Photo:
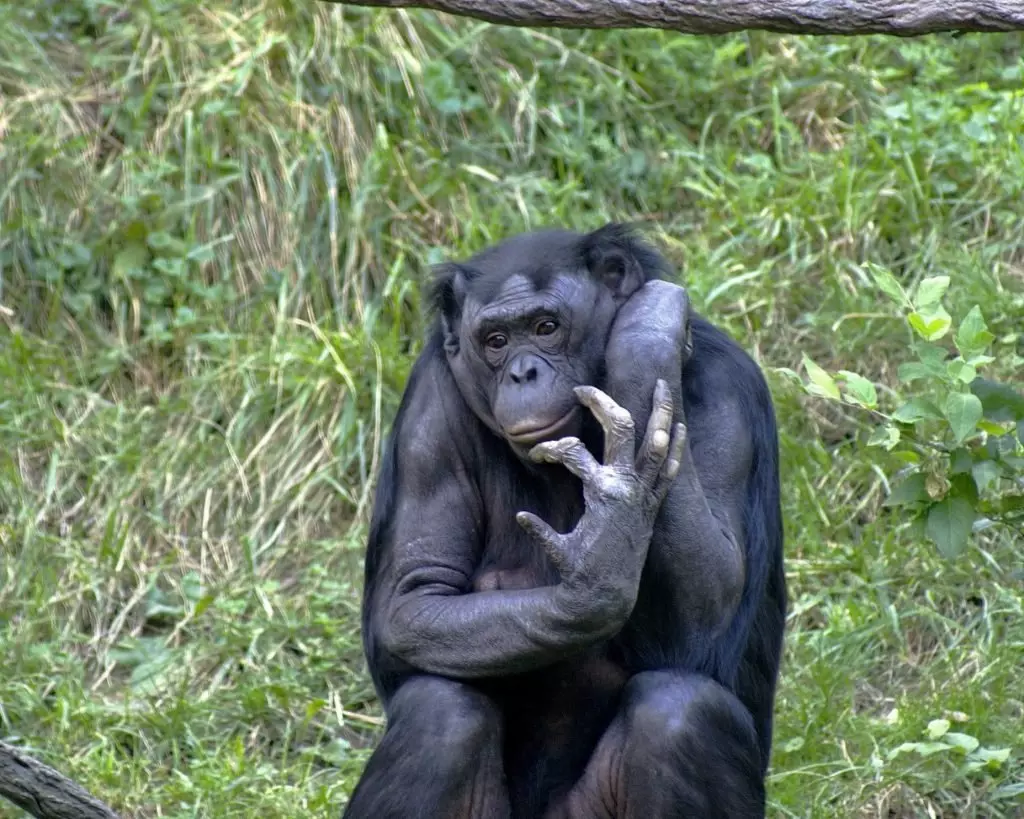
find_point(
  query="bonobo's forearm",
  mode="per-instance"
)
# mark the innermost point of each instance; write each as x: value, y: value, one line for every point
x: 697, y: 554
x: 693, y: 552
x: 491, y: 633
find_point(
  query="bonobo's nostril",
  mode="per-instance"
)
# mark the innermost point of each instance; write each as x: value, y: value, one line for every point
x: 524, y: 370
x: 529, y: 374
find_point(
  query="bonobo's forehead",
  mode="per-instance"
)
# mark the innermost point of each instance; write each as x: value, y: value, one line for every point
x: 538, y: 257
x: 521, y: 298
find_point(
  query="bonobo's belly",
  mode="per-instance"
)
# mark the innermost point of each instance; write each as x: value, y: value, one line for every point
x: 554, y: 716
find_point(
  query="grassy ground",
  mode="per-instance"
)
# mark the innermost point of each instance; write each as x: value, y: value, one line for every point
x: 214, y: 224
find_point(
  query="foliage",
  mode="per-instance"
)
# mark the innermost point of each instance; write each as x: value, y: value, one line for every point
x: 215, y: 222
x: 960, y: 437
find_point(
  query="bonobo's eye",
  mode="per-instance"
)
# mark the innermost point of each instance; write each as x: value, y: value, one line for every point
x: 546, y: 327
x: 495, y: 341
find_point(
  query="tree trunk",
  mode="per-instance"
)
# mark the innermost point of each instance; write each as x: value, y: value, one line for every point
x: 44, y: 793
x: 899, y: 17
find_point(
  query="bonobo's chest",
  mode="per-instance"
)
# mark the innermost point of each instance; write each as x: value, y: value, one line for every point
x: 549, y: 710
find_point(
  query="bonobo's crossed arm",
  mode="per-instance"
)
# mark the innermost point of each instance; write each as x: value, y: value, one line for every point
x: 425, y: 615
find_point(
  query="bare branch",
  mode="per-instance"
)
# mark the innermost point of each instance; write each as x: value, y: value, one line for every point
x: 43, y: 792
x: 898, y: 17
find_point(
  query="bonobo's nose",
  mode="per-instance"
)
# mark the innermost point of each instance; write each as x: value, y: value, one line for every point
x: 524, y: 369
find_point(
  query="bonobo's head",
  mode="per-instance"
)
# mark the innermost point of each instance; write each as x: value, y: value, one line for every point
x: 526, y: 321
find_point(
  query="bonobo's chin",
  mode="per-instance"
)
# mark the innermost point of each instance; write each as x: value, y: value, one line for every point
x: 522, y: 439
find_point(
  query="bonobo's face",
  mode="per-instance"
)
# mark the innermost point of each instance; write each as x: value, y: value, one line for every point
x: 527, y: 322
x: 527, y: 348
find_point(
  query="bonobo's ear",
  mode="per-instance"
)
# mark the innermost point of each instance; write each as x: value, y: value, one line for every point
x: 449, y: 294
x: 616, y: 258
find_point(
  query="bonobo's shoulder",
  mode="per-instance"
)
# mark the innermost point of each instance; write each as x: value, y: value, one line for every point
x: 432, y: 417
x: 721, y: 376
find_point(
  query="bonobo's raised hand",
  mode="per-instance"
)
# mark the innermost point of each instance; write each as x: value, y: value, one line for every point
x: 601, y: 560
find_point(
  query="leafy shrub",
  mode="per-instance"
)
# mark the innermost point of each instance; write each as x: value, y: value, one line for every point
x: 957, y: 437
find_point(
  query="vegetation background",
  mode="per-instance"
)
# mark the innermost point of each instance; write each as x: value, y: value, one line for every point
x: 215, y: 225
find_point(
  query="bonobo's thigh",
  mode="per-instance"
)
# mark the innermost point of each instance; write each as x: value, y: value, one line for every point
x: 680, y: 746
x: 440, y: 757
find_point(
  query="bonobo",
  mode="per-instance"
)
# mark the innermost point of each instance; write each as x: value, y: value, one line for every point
x: 574, y: 597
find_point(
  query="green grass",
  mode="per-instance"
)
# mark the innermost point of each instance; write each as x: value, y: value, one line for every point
x: 215, y: 221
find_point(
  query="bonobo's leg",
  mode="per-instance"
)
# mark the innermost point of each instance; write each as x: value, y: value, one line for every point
x: 441, y: 756
x: 681, y: 746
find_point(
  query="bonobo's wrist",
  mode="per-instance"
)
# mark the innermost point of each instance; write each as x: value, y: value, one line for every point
x: 597, y: 611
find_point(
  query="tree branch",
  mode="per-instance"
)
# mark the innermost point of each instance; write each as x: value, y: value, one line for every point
x: 43, y: 792
x: 898, y: 17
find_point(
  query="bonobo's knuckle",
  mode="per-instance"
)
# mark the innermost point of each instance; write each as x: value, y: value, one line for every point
x: 616, y: 485
x: 659, y: 442
x: 621, y: 418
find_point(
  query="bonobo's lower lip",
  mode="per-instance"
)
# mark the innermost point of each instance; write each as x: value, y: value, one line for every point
x: 534, y: 436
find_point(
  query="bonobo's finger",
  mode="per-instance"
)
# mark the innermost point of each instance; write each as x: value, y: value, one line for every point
x: 656, y: 441
x: 673, y: 461
x: 554, y: 544
x: 619, y: 441
x: 569, y: 452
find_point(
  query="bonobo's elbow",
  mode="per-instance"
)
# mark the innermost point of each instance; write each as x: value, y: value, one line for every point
x: 398, y: 635
x: 727, y: 592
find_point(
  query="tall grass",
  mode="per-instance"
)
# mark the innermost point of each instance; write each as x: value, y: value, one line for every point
x: 215, y: 223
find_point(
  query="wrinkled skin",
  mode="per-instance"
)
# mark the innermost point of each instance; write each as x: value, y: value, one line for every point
x: 574, y: 593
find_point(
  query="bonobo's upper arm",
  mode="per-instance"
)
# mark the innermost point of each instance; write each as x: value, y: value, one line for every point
x: 434, y: 533
x: 722, y: 447
x: 701, y: 542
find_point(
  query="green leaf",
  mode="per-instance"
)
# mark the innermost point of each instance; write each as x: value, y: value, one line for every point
x: 965, y: 742
x: 908, y: 491
x: 912, y: 370
x: 821, y: 382
x: 930, y: 292
x: 985, y: 473
x: 960, y: 461
x: 963, y: 411
x: 960, y: 370
x: 963, y: 486
x: 932, y: 362
x: 859, y: 390
x: 790, y: 374
x: 949, y: 525
x: 937, y: 728
x: 922, y: 748
x: 888, y: 284
x: 993, y: 428
x: 931, y: 326
x: 973, y: 336
x: 886, y: 437
x: 917, y: 409
x: 132, y: 258
x: 989, y: 756
x: 1000, y: 401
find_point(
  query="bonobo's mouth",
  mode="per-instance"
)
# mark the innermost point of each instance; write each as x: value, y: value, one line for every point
x: 526, y: 437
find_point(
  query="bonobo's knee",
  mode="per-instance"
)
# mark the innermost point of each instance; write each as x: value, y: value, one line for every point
x: 449, y: 716
x: 684, y: 712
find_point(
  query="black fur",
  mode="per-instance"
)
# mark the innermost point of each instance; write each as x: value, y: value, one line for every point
x: 547, y: 721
